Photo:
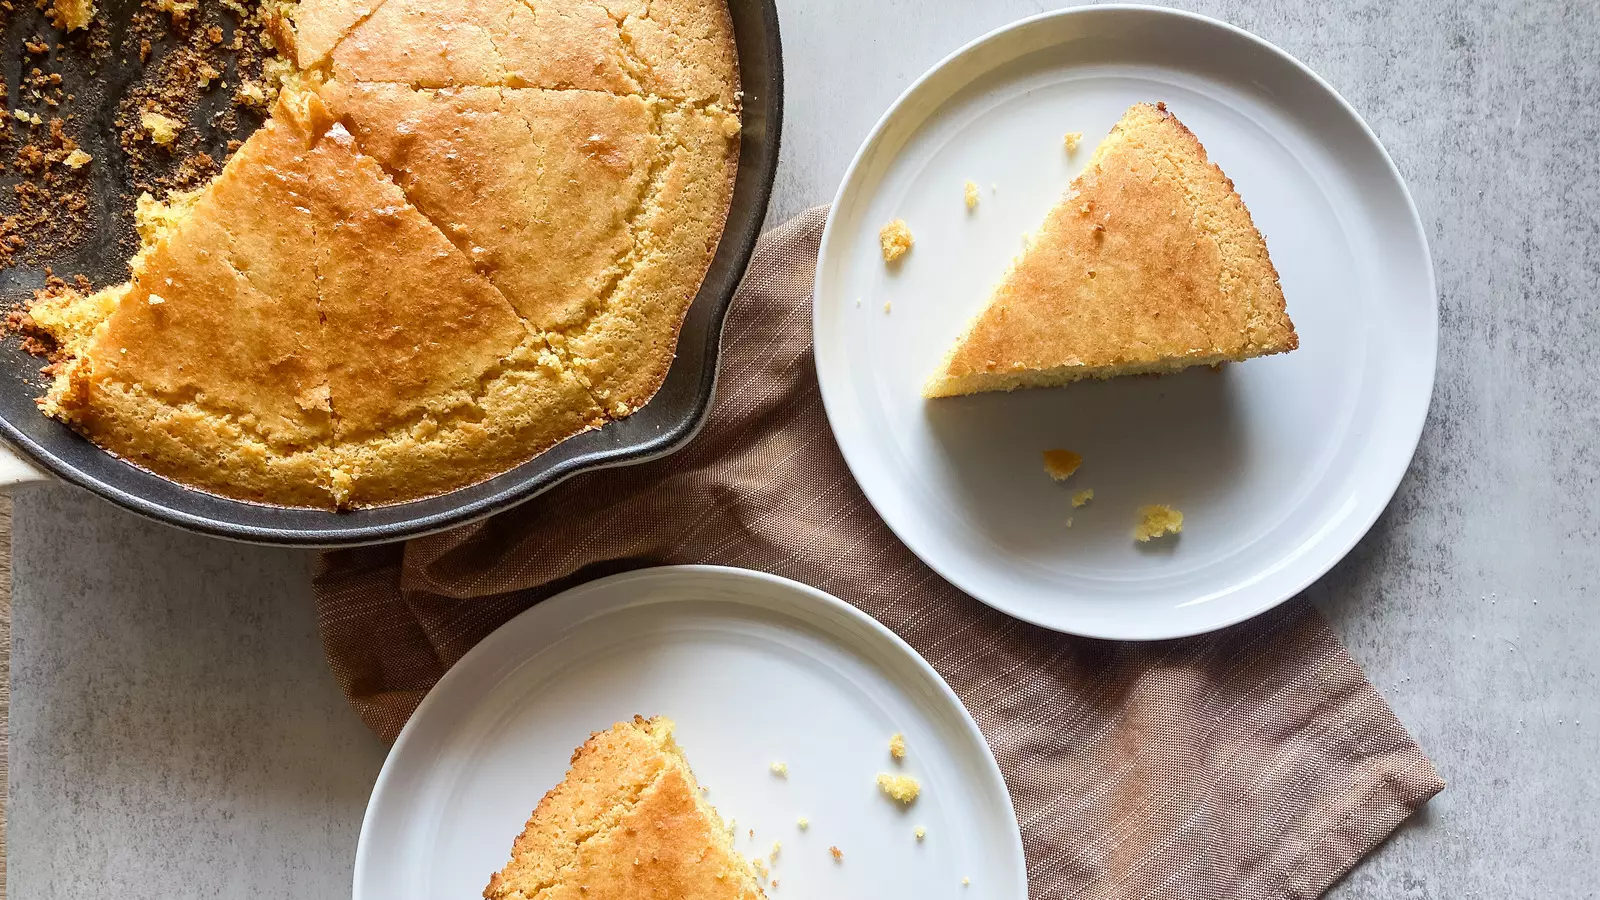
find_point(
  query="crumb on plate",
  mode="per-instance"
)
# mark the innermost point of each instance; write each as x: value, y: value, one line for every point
x: 972, y: 195
x: 838, y: 855
x: 1071, y: 140
x: 1060, y: 464
x: 803, y: 822
x: 895, y: 238
x: 1155, y: 521
x: 901, y: 788
x: 1082, y: 497
x: 897, y: 746
x: 780, y: 769
x: 920, y: 832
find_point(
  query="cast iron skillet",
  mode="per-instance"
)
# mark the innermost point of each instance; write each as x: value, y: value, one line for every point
x: 665, y: 424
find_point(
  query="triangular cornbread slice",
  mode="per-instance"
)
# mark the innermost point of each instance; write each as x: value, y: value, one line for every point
x: 209, y: 367
x: 1149, y: 264
x: 437, y: 382
x: 627, y: 822
x: 537, y: 186
x: 596, y: 215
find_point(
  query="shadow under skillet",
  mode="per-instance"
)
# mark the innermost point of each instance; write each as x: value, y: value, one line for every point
x: 1155, y: 434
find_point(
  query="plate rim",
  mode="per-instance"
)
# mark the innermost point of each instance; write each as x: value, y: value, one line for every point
x: 558, y: 605
x: 1411, y: 439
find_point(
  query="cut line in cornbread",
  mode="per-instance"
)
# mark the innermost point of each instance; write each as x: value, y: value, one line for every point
x: 1150, y: 263
x: 628, y: 821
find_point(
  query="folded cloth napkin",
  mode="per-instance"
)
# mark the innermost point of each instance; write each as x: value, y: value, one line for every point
x: 1256, y: 762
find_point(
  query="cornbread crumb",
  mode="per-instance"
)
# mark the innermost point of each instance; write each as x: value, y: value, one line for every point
x: 1071, y: 140
x: 838, y: 855
x: 1069, y: 521
x: 897, y: 746
x: 885, y: 307
x: 920, y: 832
x: 163, y: 129
x: 780, y: 769
x: 965, y: 881
x: 803, y: 822
x: 777, y: 847
x: 1082, y: 497
x: 77, y: 159
x: 1155, y: 521
x: 895, y: 238
x: 70, y: 15
x: 1060, y: 464
x: 972, y: 195
x: 901, y: 788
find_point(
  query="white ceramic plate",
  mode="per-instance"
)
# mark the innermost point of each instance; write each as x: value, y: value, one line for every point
x: 754, y: 669
x: 1280, y: 465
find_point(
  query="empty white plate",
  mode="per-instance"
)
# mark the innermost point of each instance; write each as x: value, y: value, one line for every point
x: 1279, y: 465
x: 755, y: 669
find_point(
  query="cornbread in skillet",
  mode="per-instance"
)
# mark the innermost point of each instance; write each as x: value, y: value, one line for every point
x: 209, y: 367
x: 1150, y: 263
x: 628, y: 821
x: 678, y: 50
x: 470, y: 230
x: 540, y: 187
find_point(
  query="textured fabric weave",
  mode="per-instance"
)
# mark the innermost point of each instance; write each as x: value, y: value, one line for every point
x: 1257, y: 762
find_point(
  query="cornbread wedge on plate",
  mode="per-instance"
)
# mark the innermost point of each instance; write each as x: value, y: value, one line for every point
x: 628, y: 821
x: 1149, y: 264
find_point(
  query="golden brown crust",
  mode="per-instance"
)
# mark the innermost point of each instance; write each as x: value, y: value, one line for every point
x: 624, y: 352
x: 679, y: 50
x: 318, y: 25
x: 539, y: 186
x: 627, y: 822
x: 209, y: 366
x: 1149, y: 263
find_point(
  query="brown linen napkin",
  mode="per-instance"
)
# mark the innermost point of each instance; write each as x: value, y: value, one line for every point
x: 1252, y: 763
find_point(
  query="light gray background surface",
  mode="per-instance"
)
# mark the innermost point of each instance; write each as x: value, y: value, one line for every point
x: 175, y: 732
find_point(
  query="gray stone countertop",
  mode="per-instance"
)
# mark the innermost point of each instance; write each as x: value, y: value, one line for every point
x: 175, y: 733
